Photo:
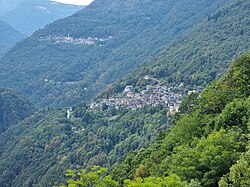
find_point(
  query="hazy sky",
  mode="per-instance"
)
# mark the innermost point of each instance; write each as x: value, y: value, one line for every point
x: 76, y: 2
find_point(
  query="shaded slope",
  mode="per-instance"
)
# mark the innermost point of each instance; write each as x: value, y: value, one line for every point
x: 13, y: 108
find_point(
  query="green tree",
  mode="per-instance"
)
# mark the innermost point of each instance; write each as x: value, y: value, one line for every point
x: 239, y: 173
x: 170, y: 181
x: 97, y: 177
x: 208, y: 158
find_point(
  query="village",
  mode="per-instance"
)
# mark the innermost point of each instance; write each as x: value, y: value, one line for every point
x: 152, y: 95
x: 60, y: 82
x: 75, y: 41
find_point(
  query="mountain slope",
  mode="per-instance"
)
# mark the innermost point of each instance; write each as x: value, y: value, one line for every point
x: 13, y: 108
x: 73, y: 58
x: 204, y: 54
x: 8, y: 38
x: 7, y: 5
x: 28, y: 16
x: 205, y: 141
x: 39, y: 150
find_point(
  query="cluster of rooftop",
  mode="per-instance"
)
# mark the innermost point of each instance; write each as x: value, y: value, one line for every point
x: 153, y: 95
x: 76, y: 41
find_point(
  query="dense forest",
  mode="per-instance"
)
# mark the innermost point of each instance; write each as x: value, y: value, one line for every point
x: 13, y: 108
x: 129, y: 94
x: 208, y: 144
x: 116, y: 37
x: 206, y: 138
x: 200, y: 56
x: 48, y: 143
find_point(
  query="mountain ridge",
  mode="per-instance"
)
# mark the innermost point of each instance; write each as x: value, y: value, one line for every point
x: 9, y: 37
x: 13, y: 108
x: 28, y: 16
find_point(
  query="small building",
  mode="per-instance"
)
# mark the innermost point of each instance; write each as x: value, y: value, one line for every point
x: 191, y: 92
x: 147, y: 77
x: 128, y: 88
x: 130, y: 94
x: 69, y: 112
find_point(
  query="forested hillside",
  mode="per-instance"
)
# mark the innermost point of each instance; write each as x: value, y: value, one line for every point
x: 38, y: 151
x: 207, y: 138
x: 28, y: 16
x: 8, y: 37
x: 73, y: 58
x: 13, y: 108
x: 208, y: 144
x: 202, y: 55
x: 139, y: 128
x: 211, y: 134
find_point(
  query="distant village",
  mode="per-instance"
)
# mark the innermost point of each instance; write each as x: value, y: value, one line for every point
x: 153, y: 95
x: 75, y: 41
x: 59, y: 82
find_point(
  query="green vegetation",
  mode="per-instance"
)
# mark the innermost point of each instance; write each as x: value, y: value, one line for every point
x: 205, y: 142
x: 40, y: 149
x: 170, y: 181
x: 95, y: 178
x: 202, y: 55
x: 13, y: 108
x: 208, y: 144
x: 239, y: 174
x: 138, y: 30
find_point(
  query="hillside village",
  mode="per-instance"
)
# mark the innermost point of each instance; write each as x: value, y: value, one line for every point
x: 75, y: 41
x: 152, y: 95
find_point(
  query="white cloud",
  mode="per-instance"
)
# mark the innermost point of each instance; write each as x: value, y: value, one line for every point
x: 75, y: 2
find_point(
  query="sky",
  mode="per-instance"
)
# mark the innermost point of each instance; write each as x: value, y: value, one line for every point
x: 75, y: 2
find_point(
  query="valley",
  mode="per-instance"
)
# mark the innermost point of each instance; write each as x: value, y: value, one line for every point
x: 126, y: 93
